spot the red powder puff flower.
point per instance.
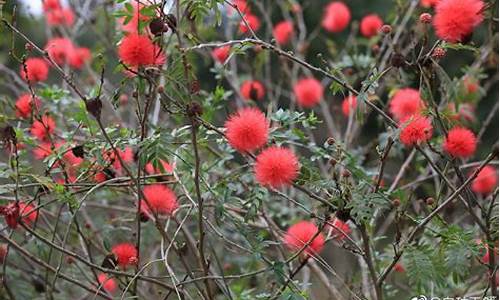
(471, 85)
(247, 129)
(406, 103)
(60, 50)
(485, 251)
(42, 151)
(349, 104)
(100, 177)
(159, 199)
(336, 17)
(370, 25)
(399, 268)
(455, 20)
(308, 92)
(57, 17)
(24, 105)
(37, 70)
(304, 233)
(253, 23)
(428, 3)
(165, 167)
(252, 90)
(276, 167)
(79, 57)
(221, 54)
(283, 32)
(108, 283)
(486, 181)
(460, 142)
(42, 129)
(340, 229)
(13, 212)
(126, 155)
(415, 131)
(132, 26)
(49, 5)
(242, 6)
(125, 254)
(139, 51)
(71, 160)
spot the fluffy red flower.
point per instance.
(49, 5)
(399, 268)
(428, 3)
(108, 283)
(125, 254)
(60, 50)
(349, 104)
(283, 32)
(61, 16)
(253, 23)
(151, 170)
(247, 129)
(308, 92)
(416, 130)
(37, 70)
(406, 103)
(24, 105)
(221, 54)
(276, 167)
(79, 57)
(486, 181)
(340, 229)
(126, 155)
(336, 17)
(139, 51)
(242, 6)
(370, 25)
(252, 90)
(161, 200)
(132, 26)
(460, 142)
(471, 85)
(42, 151)
(456, 19)
(14, 212)
(42, 129)
(304, 233)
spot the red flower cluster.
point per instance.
(428, 3)
(252, 90)
(460, 142)
(24, 105)
(276, 167)
(125, 255)
(370, 25)
(349, 104)
(221, 54)
(108, 283)
(486, 181)
(139, 51)
(165, 167)
(57, 15)
(304, 233)
(132, 26)
(159, 200)
(455, 20)
(252, 21)
(21, 211)
(416, 130)
(405, 103)
(283, 32)
(63, 51)
(340, 229)
(43, 128)
(336, 17)
(37, 69)
(247, 129)
(308, 92)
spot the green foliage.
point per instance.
(423, 266)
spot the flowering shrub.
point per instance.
(249, 149)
